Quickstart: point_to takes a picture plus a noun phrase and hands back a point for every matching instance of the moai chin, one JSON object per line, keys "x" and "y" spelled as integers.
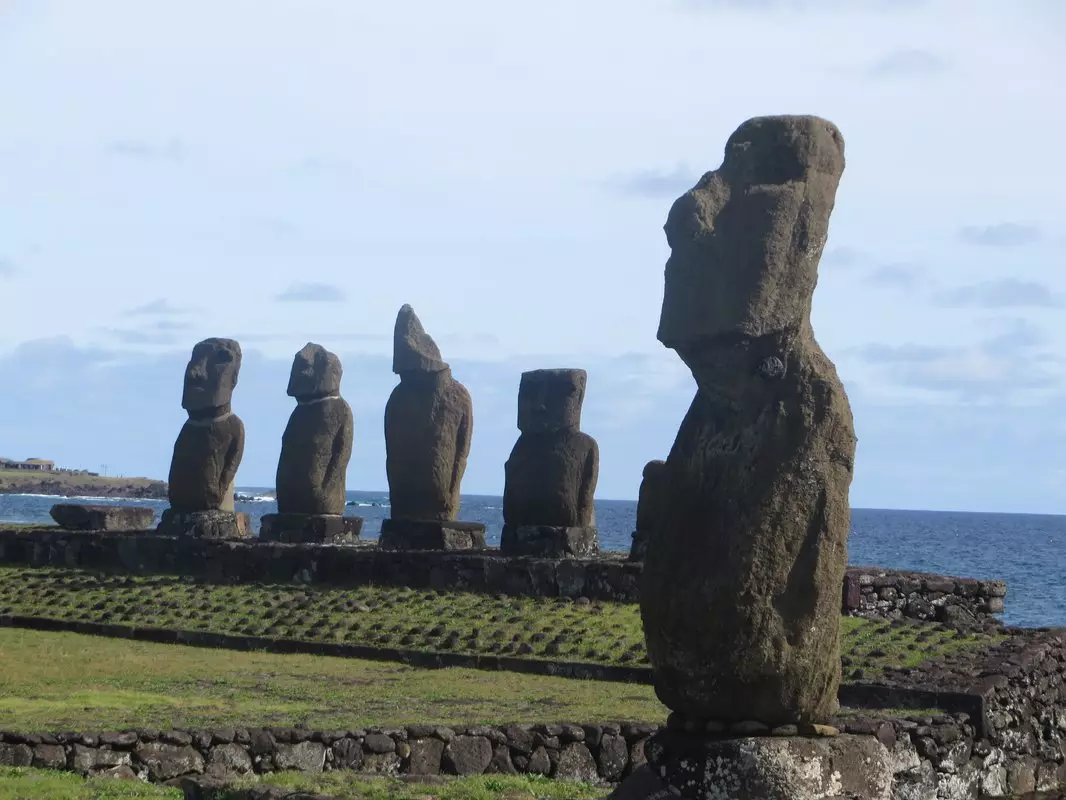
{"x": 550, "y": 476}
{"x": 649, "y": 501}
{"x": 741, "y": 587}
{"x": 209, "y": 447}
{"x": 315, "y": 449}
{"x": 429, "y": 420}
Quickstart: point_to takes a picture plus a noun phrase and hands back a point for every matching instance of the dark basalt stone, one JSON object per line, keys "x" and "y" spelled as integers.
{"x": 213, "y": 524}
{"x": 310, "y": 528}
{"x": 412, "y": 534}
{"x": 78, "y": 517}
{"x": 549, "y": 541}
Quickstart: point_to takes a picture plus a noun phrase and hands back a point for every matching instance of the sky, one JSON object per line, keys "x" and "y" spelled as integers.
{"x": 282, "y": 172}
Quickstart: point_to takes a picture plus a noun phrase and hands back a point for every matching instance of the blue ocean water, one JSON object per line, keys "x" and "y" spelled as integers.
{"x": 1027, "y": 551}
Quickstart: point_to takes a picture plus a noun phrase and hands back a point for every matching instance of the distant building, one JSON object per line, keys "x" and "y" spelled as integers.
{"x": 30, "y": 464}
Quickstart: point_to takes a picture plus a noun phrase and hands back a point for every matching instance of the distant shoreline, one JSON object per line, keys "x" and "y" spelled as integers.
{"x": 72, "y": 485}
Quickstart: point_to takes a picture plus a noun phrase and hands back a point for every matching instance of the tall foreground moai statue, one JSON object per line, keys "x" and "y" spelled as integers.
{"x": 429, "y": 420}
{"x": 315, "y": 449}
{"x": 208, "y": 449}
{"x": 550, "y": 476}
{"x": 741, "y": 589}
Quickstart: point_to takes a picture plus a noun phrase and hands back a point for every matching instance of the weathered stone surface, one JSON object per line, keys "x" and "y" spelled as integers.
{"x": 15, "y": 755}
{"x": 310, "y": 528}
{"x": 305, "y": 756}
{"x": 166, "y": 761}
{"x": 317, "y": 443}
{"x": 210, "y": 446}
{"x": 411, "y": 534}
{"x": 550, "y": 476}
{"x": 549, "y": 541}
{"x": 755, "y": 515}
{"x": 49, "y": 756}
{"x": 467, "y": 755}
{"x": 213, "y": 524}
{"x": 770, "y": 768}
{"x": 648, "y": 507}
{"x": 78, "y": 517}
{"x": 576, "y": 764}
{"x": 228, "y": 759}
{"x": 426, "y": 756}
{"x": 429, "y": 420}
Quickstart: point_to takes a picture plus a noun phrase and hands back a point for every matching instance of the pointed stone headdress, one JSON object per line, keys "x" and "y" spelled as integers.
{"x": 413, "y": 349}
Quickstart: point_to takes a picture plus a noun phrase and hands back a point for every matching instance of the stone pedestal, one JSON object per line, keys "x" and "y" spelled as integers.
{"x": 639, "y": 547}
{"x": 78, "y": 517}
{"x": 417, "y": 534}
{"x": 310, "y": 528}
{"x": 549, "y": 541}
{"x": 760, "y": 768}
{"x": 205, "y": 524}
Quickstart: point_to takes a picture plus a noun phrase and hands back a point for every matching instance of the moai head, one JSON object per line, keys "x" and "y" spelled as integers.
{"x": 745, "y": 241}
{"x": 211, "y": 374}
{"x": 316, "y": 372}
{"x": 413, "y": 350}
{"x": 550, "y": 400}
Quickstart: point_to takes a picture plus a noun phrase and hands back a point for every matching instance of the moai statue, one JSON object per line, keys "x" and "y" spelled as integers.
{"x": 208, "y": 449}
{"x": 429, "y": 420}
{"x": 649, "y": 501}
{"x": 315, "y": 450}
{"x": 550, "y": 476}
{"x": 741, "y": 591}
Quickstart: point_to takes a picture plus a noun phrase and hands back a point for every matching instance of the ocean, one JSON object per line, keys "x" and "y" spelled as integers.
{"x": 1028, "y": 551}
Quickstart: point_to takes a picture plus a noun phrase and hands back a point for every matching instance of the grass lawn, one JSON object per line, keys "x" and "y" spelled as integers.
{"x": 414, "y": 619}
{"x": 66, "y": 681}
{"x": 39, "y": 784}
{"x": 22, "y": 784}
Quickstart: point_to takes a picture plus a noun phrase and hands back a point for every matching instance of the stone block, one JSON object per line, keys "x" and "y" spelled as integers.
{"x": 549, "y": 541}
{"x": 214, "y": 524}
{"x": 78, "y": 517}
{"x": 310, "y": 528}
{"x": 411, "y": 534}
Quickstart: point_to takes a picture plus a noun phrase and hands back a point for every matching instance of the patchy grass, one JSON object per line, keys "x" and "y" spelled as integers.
{"x": 22, "y": 784}
{"x": 66, "y": 681}
{"x": 477, "y": 787}
{"x": 604, "y": 633}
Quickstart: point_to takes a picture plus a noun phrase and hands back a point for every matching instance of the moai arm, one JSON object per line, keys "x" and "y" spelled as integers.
{"x": 342, "y": 446}
{"x": 509, "y": 515}
{"x": 462, "y": 450}
{"x": 234, "y": 454}
{"x": 586, "y": 496}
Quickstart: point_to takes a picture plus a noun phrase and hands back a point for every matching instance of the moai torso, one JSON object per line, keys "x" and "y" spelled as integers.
{"x": 210, "y": 446}
{"x": 649, "y": 500}
{"x": 429, "y": 421}
{"x": 317, "y": 443}
{"x": 428, "y": 426}
{"x": 550, "y": 476}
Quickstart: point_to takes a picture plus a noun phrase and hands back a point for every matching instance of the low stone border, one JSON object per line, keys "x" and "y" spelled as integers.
{"x": 867, "y": 591}
{"x": 874, "y": 592}
{"x": 937, "y": 756}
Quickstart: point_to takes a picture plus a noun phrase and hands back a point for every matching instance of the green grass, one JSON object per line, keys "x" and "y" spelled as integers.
{"x": 66, "y": 681}
{"x": 37, "y": 784}
{"x": 23, "y": 784}
{"x": 603, "y": 633}
{"x": 477, "y": 787}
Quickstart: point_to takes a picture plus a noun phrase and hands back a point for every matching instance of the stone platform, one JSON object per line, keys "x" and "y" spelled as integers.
{"x": 205, "y": 524}
{"x": 79, "y": 517}
{"x": 310, "y": 528}
{"x": 549, "y": 541}
{"x": 417, "y": 534}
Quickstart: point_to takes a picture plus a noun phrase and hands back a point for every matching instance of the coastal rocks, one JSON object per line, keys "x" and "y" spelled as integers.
{"x": 315, "y": 449}
{"x": 751, "y": 546}
{"x": 648, "y": 503}
{"x": 429, "y": 421}
{"x": 209, "y": 447}
{"x": 550, "y": 476}
{"x": 77, "y": 517}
